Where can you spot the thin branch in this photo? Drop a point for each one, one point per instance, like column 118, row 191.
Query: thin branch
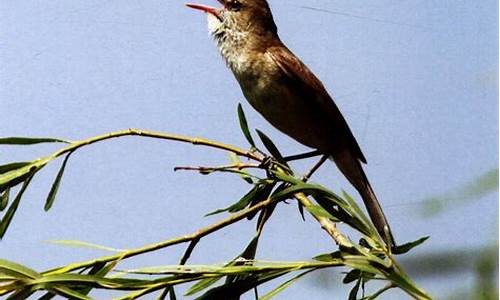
column 159, row 135
column 188, row 252
column 329, row 226
column 149, row 248
column 315, row 168
column 302, row 155
column 205, row 170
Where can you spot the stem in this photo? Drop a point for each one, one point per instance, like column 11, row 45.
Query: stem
column 237, row 166
column 149, row 248
column 159, row 135
column 315, row 168
column 394, row 275
column 326, row 223
column 302, row 155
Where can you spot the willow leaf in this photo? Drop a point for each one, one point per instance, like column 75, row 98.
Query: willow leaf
column 55, row 186
column 7, row 218
column 244, row 125
column 29, row 141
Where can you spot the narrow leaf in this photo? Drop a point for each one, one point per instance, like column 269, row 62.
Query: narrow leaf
column 68, row 293
column 237, row 288
column 244, row 175
column 47, row 296
column 351, row 276
column 81, row 244
column 29, row 141
column 16, row 270
column 22, row 294
column 7, row 218
column 401, row 249
column 172, row 294
column 244, row 125
column 353, row 295
column 251, row 249
column 55, row 186
column 4, row 199
column 271, row 147
column 283, row 286
column 201, row 285
column 328, row 257
column 14, row 177
column 319, row 211
column 13, row 166
column 242, row 203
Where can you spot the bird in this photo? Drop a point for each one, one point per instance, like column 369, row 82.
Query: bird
column 286, row 92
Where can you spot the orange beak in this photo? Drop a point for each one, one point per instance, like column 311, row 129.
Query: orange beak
column 208, row 9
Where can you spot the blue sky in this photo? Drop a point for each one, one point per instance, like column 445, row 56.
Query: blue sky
column 417, row 82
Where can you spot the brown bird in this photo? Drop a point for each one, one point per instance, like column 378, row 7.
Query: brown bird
column 283, row 89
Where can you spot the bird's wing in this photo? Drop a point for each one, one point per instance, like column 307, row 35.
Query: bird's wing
column 304, row 79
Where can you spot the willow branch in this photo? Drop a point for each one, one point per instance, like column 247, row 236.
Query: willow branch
column 153, row 247
column 159, row 135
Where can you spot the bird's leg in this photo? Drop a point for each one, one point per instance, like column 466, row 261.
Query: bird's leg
column 315, row 168
column 303, row 155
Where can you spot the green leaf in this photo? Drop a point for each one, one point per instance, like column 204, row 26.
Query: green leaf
column 16, row 270
column 7, row 218
column 4, row 199
column 354, row 292
column 283, row 286
column 81, row 244
column 251, row 249
column 201, row 285
column 172, row 294
column 68, row 293
column 271, row 147
column 242, row 203
column 22, row 294
column 244, row 175
column 248, row 254
column 55, row 186
column 18, row 175
column 352, row 276
column 29, row 141
column 359, row 212
column 244, row 125
column 364, row 263
column 13, row 166
column 47, row 296
column 101, row 270
column 319, row 211
column 328, row 257
column 401, row 249
column 237, row 288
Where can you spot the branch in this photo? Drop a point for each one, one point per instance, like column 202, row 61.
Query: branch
column 160, row 135
column 149, row 248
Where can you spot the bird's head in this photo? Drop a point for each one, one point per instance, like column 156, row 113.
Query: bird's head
column 241, row 16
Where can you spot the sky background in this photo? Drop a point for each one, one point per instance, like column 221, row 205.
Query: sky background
column 416, row 80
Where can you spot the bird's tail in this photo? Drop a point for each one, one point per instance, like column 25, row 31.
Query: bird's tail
column 351, row 167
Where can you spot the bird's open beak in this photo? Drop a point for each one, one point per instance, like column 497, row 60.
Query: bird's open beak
column 208, row 9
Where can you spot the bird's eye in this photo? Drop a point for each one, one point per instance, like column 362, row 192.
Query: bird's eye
column 233, row 5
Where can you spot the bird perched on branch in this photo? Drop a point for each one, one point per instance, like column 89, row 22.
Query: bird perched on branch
column 283, row 89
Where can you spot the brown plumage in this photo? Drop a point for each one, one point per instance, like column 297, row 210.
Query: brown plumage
column 283, row 89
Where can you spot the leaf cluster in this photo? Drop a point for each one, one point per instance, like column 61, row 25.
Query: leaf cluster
column 273, row 184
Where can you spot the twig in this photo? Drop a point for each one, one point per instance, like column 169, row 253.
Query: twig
column 302, row 155
column 204, row 170
column 160, row 135
column 326, row 223
column 184, row 259
column 188, row 252
column 149, row 248
column 315, row 168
